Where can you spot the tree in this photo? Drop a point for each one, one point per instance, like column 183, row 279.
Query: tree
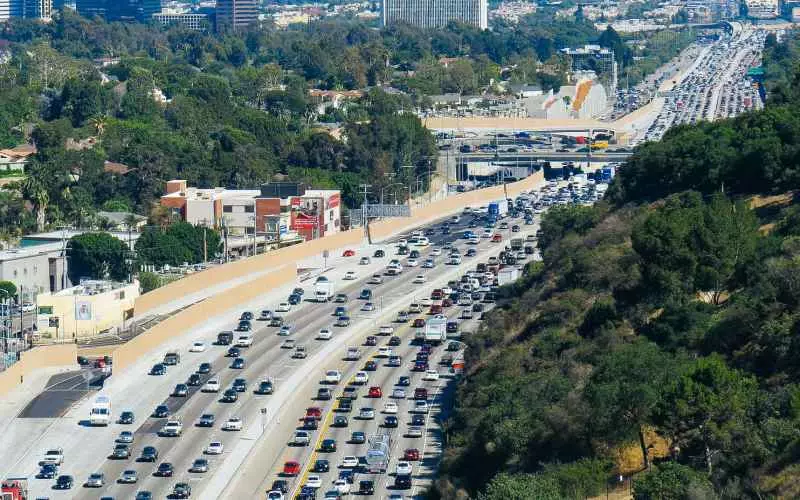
column 672, row 481
column 149, row 281
column 34, row 189
column 10, row 289
column 97, row 256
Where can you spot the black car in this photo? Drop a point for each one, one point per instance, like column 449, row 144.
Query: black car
column 414, row 254
column 239, row 385
column 417, row 419
column 206, row 420
column 194, row 380
column 390, row 421
column 126, row 417
column 471, row 252
column 161, row 411
column 244, row 326
column 394, row 341
column 295, row 299
column 181, row 490
column 402, row 482
column 204, row 368
column 237, row 364
column 328, row 446
column 366, row 294
column 404, row 381
column 345, row 405
column 276, row 321
column 64, row 482
column 370, row 366
column 233, row 352
column 477, row 308
column 281, row 485
column 322, row 465
column 324, row 394
column 165, row 469
column 229, row 396
column 298, row 291
column 224, row 338
column 158, row 369
column 48, row 471
column 379, row 253
column 180, row 391
column 264, row 387
column 452, row 327
column 246, row 316
column 366, row 487
column 149, row 454
column 144, row 495
column 340, row 421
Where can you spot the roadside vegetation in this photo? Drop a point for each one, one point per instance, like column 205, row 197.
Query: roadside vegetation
column 658, row 339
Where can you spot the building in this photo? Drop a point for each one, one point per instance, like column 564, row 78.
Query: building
column 15, row 159
column 119, row 10
column 271, row 211
column 37, row 9
column 85, row 310
column 191, row 20
column 762, row 9
column 10, row 8
column 598, row 59
column 235, row 15
column 435, row 13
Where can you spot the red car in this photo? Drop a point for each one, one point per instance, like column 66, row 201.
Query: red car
column 436, row 309
column 497, row 238
column 291, row 468
column 420, row 393
column 375, row 392
column 411, row 454
column 314, row 411
column 419, row 323
column 436, row 294
column 349, row 253
column 447, row 303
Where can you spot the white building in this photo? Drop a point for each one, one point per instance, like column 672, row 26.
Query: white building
column 435, row 13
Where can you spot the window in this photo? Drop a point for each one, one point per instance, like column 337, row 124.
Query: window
column 249, row 208
column 15, row 273
column 35, row 268
column 46, row 310
column 227, row 208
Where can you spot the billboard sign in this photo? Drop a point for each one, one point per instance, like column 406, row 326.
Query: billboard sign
column 83, row 311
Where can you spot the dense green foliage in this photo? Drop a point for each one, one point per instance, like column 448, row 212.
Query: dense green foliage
column 177, row 244
column 97, row 256
column 658, row 339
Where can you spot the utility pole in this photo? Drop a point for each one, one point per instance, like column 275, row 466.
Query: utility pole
column 205, row 246
column 364, row 209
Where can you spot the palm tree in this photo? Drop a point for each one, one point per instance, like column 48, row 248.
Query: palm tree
column 99, row 124
column 34, row 190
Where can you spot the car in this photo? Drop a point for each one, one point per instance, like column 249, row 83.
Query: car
column 366, row 413
column 283, row 307
column 244, row 341
column 294, row 299
column 48, row 471
column 264, row 387
column 394, row 341
column 403, row 468
column 340, row 298
column 368, row 306
column 370, row 366
column 390, row 422
column 194, row 380
column 211, row 385
column 158, row 369
column 328, row 446
column 200, row 465
column 165, row 469
column 291, row 468
column 414, row 432
column 301, row 438
column 394, row 361
column 314, row 481
column 205, row 368
column 418, row 279
column 366, row 487
column 126, row 417
column 198, row 346
column 64, row 482
column 402, row 481
column 206, row 420
column 276, row 321
column 181, row 490
column 349, row 253
column 412, row 262
column 300, row 352
column 342, row 321
column 324, row 394
column 420, row 393
column 161, row 411
column 321, row 465
column 364, row 261
column 404, row 381
column 371, row 340
column 411, row 454
column 325, row 334
column 349, row 462
column 214, row 448
column 265, row 315
column 238, row 364
column 333, row 377
column 374, row 392
column 418, row 323
column 289, row 344
column 361, row 377
column 390, row 408
column 420, row 406
column 342, row 486
column 280, row 486
column 431, row 375
column 402, row 317
column 232, row 424
column 144, row 495
column 239, row 385
column 345, row 405
column 340, row 421
column 285, row 331
column 399, row 393
column 418, row 419
column 358, row 437
column 149, row 454
column 314, row 412
column 233, row 352
column 375, row 279
column 129, row 476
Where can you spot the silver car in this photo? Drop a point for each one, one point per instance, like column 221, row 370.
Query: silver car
column 96, row 480
column 128, row 477
column 199, row 465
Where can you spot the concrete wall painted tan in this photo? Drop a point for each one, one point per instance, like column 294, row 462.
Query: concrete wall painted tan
column 35, row 359
column 192, row 317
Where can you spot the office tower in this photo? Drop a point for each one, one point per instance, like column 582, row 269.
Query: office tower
column 37, row 9
column 10, row 8
column 119, row 10
column 435, row 13
column 235, row 15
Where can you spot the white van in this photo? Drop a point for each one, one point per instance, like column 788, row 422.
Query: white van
column 101, row 411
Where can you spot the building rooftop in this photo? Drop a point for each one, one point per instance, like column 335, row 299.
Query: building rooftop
column 91, row 287
column 29, row 251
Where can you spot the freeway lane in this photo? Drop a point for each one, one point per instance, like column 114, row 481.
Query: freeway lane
column 264, row 358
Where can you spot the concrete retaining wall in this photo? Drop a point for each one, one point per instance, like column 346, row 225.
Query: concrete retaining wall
column 35, row 359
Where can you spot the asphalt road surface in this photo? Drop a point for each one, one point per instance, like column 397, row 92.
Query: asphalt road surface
column 61, row 392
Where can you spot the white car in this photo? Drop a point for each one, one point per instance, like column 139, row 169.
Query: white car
column 390, row 408
column 325, row 334
column 428, row 264
column 350, row 275
column 244, row 341
column 361, row 378
column 414, row 432
column 403, row 469
column 487, row 233
column 288, row 344
column 198, row 346
column 386, row 330
column 232, row 424
column 301, row 438
column 284, row 307
column 333, row 376
column 399, row 393
column 419, row 279
column 214, row 448
column 211, row 385
column 412, row 262
column 314, row 481
column 420, row 406
column 349, row 462
column 425, row 302
column 436, row 251
column 431, row 375
column 342, row 486
column 366, row 413
column 402, row 242
column 376, row 279
column 384, row 352
column 368, row 306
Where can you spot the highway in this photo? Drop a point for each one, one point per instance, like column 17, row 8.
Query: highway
column 86, row 448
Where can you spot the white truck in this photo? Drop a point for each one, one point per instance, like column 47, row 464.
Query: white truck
column 54, row 456
column 507, row 275
column 436, row 329
column 100, row 413
column 324, row 291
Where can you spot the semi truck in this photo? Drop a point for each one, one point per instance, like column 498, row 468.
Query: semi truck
column 324, row 291
column 436, row 329
column 14, row 488
column 516, row 244
column 100, row 413
column 498, row 208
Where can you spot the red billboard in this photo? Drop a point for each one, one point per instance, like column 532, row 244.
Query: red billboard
column 334, row 200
